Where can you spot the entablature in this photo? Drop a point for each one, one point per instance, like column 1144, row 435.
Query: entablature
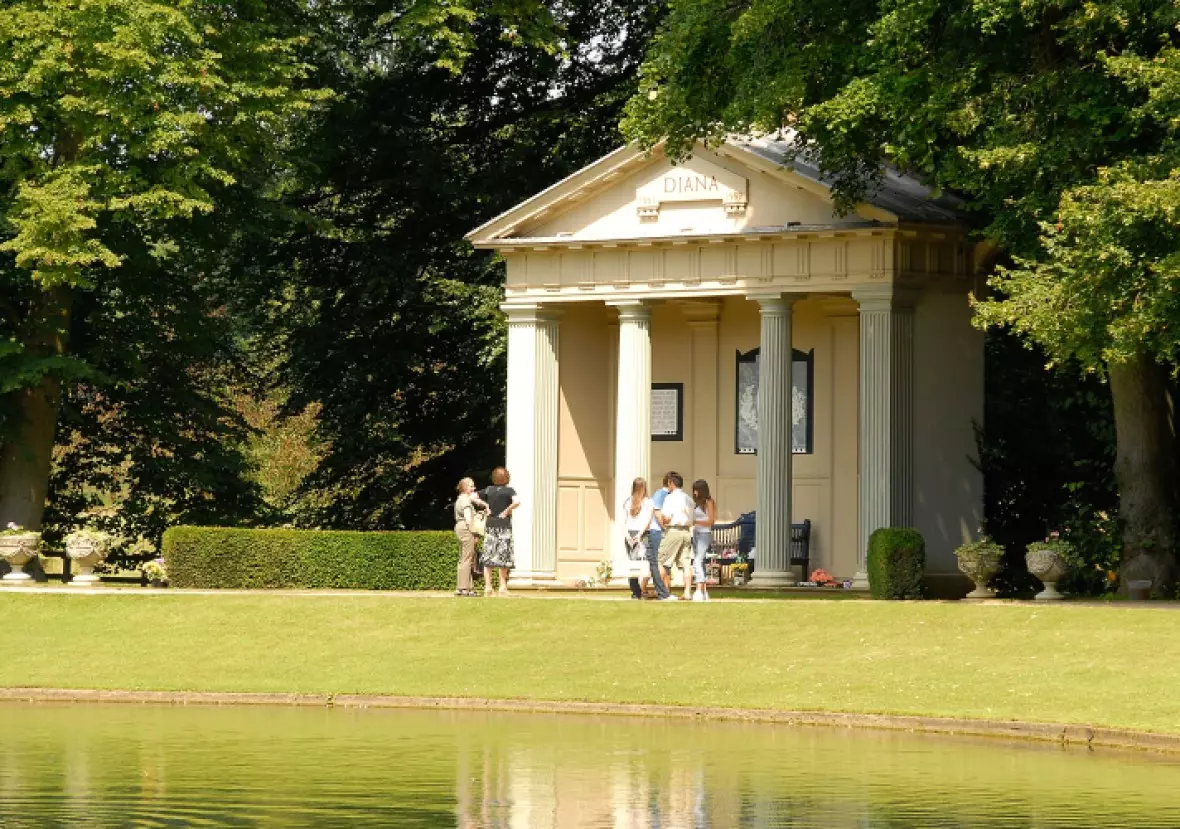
column 733, row 264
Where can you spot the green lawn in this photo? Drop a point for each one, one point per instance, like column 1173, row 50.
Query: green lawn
column 1114, row 666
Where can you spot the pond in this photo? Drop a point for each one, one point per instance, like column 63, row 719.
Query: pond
column 125, row 765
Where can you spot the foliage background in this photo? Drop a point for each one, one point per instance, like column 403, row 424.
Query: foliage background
column 323, row 350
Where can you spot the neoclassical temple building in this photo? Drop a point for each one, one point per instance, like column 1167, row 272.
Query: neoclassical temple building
column 720, row 318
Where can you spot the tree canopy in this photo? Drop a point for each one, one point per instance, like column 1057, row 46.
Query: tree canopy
column 196, row 230
column 387, row 319
column 123, row 122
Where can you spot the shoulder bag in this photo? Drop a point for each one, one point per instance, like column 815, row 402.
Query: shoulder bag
column 479, row 521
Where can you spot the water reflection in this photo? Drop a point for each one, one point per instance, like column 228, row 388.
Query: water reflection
column 107, row 766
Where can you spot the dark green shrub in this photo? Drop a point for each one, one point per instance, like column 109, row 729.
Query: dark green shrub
column 217, row 557
column 896, row 561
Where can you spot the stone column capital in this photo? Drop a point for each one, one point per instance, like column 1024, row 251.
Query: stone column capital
column 885, row 297
column 532, row 313
column 775, row 303
column 632, row 310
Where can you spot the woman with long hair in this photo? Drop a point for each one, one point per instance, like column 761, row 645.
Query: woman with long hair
column 704, row 516
column 637, row 515
column 498, row 552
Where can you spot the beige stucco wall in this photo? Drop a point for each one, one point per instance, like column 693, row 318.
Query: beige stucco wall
column 948, row 399
column 687, row 348
column 585, row 455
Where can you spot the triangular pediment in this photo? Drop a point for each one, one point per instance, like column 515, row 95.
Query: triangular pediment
column 739, row 187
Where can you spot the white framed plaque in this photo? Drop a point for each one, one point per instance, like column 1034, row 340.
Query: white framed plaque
column 667, row 411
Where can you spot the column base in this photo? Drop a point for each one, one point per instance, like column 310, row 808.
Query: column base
column 526, row 580
column 16, row 577
column 772, row 579
column 860, row 581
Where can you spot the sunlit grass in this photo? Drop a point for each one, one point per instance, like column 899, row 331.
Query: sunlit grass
column 1115, row 666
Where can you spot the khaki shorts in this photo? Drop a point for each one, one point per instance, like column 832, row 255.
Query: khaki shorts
column 676, row 549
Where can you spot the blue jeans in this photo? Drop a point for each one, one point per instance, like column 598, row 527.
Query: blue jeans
column 700, row 547
column 633, row 581
column 654, row 538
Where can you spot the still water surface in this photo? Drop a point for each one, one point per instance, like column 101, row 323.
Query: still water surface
column 122, row 765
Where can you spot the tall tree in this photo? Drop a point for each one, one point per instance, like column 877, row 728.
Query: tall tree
column 384, row 316
column 1055, row 118
column 121, row 121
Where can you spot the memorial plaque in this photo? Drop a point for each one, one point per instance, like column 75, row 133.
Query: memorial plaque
column 746, row 415
column 667, row 411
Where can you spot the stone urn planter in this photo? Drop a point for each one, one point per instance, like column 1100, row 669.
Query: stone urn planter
column 86, row 548
column 1046, row 560
column 18, row 549
column 980, row 561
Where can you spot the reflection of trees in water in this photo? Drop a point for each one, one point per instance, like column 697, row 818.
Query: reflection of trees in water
column 123, row 766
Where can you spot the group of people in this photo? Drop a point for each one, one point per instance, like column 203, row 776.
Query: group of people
column 666, row 530
column 663, row 531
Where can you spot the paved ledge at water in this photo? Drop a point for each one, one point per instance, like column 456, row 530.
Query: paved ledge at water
column 1012, row 730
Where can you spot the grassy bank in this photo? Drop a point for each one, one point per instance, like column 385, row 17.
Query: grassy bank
column 1112, row 666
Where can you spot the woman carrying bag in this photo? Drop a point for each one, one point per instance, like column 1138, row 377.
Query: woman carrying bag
column 637, row 515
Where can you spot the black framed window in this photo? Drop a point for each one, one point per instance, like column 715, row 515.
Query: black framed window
column 802, row 402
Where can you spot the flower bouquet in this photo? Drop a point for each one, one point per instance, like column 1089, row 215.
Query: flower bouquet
column 156, row 572
column 602, row 576
column 740, row 569
column 822, row 579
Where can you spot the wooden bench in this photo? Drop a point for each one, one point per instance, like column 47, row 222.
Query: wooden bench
column 740, row 536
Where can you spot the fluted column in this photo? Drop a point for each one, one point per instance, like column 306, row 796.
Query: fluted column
column 632, row 410
column 532, row 440
column 773, row 527
column 886, row 416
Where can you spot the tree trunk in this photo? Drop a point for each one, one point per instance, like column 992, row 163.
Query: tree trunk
column 26, row 455
column 25, row 460
column 1146, row 472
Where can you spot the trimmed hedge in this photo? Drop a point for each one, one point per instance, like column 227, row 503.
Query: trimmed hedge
column 219, row 557
column 896, row 561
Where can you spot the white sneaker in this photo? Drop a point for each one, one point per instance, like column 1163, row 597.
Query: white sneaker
column 698, row 596
column 668, row 599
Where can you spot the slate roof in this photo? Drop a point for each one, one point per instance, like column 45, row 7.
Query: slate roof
column 903, row 195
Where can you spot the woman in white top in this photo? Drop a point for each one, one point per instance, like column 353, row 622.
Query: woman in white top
column 637, row 517
column 704, row 514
